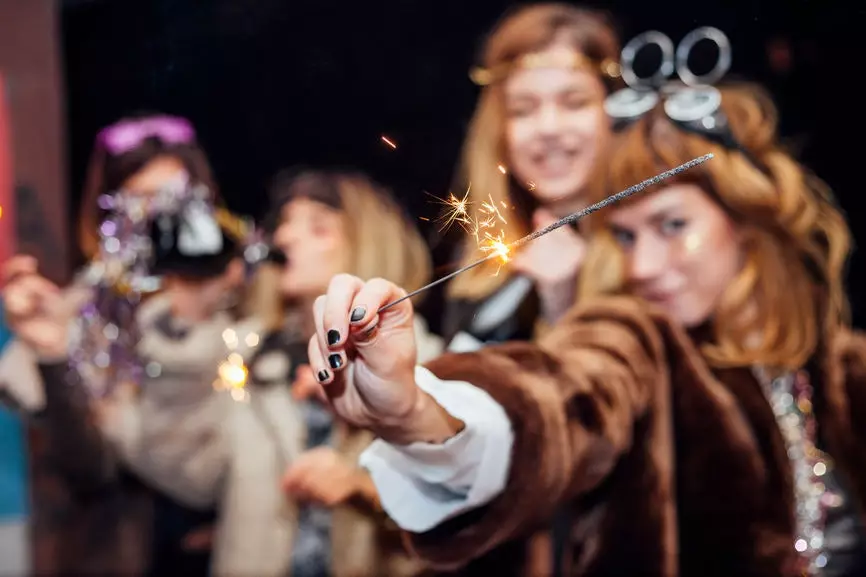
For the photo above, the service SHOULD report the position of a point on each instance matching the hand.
(554, 258)
(323, 477)
(34, 308)
(366, 362)
(305, 385)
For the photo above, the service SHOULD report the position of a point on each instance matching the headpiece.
(692, 103)
(121, 137)
(566, 58)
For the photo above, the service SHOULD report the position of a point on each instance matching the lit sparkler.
(502, 250)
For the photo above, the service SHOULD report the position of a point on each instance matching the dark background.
(276, 83)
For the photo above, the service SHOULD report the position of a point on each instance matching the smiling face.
(682, 251)
(555, 126)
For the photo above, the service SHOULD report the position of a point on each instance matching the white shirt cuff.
(423, 484)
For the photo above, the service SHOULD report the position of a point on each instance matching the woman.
(325, 223)
(108, 527)
(708, 421)
(201, 448)
(546, 69)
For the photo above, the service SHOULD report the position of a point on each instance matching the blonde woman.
(326, 223)
(536, 135)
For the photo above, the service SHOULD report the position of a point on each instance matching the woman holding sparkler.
(141, 156)
(708, 420)
(534, 139)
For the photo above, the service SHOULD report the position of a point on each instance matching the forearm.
(570, 403)
(429, 423)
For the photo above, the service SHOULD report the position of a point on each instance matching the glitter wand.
(570, 219)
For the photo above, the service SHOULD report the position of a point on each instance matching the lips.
(658, 296)
(556, 163)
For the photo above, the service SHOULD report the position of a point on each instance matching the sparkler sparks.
(570, 219)
(482, 225)
(389, 142)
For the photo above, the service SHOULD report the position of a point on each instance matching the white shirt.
(422, 484)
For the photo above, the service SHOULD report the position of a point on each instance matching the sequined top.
(830, 537)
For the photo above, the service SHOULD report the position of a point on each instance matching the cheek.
(592, 127)
(711, 260)
(518, 135)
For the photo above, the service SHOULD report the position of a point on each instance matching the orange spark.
(389, 142)
(501, 168)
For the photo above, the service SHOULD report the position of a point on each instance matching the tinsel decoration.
(105, 335)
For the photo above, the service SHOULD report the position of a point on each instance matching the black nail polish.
(358, 314)
(336, 361)
(322, 376)
(333, 337)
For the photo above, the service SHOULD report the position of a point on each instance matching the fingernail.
(333, 337)
(358, 313)
(322, 375)
(335, 360)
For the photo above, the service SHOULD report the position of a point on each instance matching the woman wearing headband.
(545, 71)
(705, 420)
(140, 156)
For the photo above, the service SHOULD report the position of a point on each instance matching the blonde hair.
(790, 291)
(382, 241)
(524, 31)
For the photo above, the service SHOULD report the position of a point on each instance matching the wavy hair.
(789, 296)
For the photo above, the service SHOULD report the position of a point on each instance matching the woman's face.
(682, 251)
(555, 127)
(313, 237)
(156, 175)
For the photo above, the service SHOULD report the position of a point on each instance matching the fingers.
(335, 358)
(375, 294)
(19, 265)
(331, 381)
(306, 386)
(25, 295)
(337, 312)
(542, 217)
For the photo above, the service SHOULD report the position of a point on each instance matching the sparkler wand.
(570, 219)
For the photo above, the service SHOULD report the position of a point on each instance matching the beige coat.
(205, 449)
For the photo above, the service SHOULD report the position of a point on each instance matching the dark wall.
(274, 83)
(30, 63)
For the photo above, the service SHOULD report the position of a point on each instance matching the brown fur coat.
(671, 468)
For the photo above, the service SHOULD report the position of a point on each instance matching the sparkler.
(497, 248)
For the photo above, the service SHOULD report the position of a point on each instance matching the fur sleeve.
(572, 400)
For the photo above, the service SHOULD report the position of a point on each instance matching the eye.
(624, 238)
(520, 107)
(672, 226)
(576, 100)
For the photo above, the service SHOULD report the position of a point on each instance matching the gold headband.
(559, 59)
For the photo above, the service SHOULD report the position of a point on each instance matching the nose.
(549, 119)
(648, 260)
(284, 235)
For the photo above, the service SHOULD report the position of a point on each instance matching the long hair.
(107, 173)
(382, 240)
(790, 292)
(524, 31)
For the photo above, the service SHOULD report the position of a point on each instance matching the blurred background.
(271, 84)
(381, 86)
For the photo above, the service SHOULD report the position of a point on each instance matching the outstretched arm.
(543, 424)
